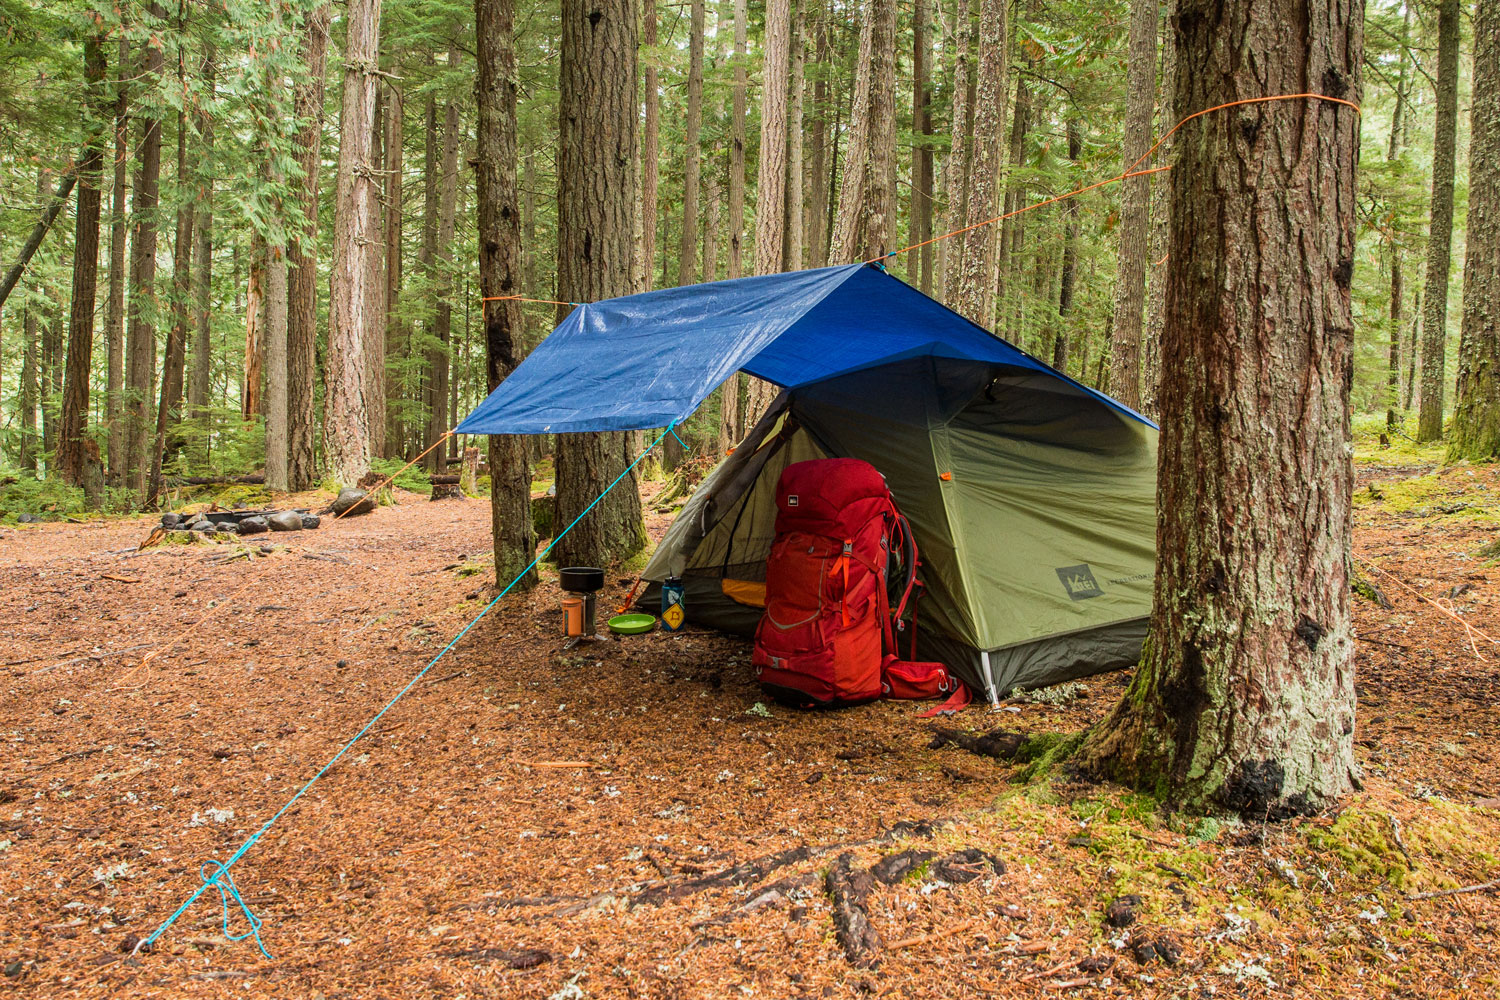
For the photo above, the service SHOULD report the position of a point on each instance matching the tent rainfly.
(1031, 496)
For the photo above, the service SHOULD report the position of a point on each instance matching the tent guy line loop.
(221, 873)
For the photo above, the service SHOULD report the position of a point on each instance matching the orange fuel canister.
(573, 614)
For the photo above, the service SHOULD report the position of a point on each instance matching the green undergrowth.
(416, 479)
(1042, 753)
(190, 499)
(1449, 494)
(1401, 444)
(52, 500)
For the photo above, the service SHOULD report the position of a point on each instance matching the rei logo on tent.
(1079, 581)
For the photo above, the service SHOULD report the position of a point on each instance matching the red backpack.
(827, 635)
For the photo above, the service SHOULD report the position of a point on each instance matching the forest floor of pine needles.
(450, 855)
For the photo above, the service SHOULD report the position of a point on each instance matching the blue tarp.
(648, 360)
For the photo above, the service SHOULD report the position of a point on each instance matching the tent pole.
(989, 678)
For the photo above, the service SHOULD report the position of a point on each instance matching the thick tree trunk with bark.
(140, 366)
(442, 326)
(201, 376)
(650, 154)
(792, 239)
(114, 322)
(687, 255)
(921, 160)
(854, 195)
(71, 453)
(737, 147)
(377, 330)
(251, 402)
(974, 282)
(302, 272)
(174, 359)
(276, 369)
(396, 335)
(1135, 210)
(30, 446)
(1440, 228)
(1475, 433)
(956, 164)
(348, 411)
(1010, 228)
(500, 274)
(816, 227)
(1244, 698)
(1398, 277)
(595, 204)
(1069, 256)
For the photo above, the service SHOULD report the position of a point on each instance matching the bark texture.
(200, 379)
(443, 315)
(1440, 228)
(691, 162)
(770, 193)
(302, 272)
(1161, 226)
(975, 280)
(1244, 698)
(921, 125)
(1135, 210)
(500, 274)
(114, 322)
(737, 146)
(71, 453)
(596, 200)
(1475, 433)
(140, 367)
(650, 153)
(347, 420)
(956, 164)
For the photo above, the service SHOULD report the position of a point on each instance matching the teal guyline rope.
(220, 878)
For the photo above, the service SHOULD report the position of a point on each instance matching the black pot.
(581, 579)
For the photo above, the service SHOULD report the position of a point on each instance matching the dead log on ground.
(850, 889)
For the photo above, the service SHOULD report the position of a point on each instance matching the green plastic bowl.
(632, 624)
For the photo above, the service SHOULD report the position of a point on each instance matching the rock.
(310, 521)
(171, 520)
(285, 520)
(229, 527)
(967, 865)
(1095, 964)
(201, 525)
(27, 519)
(1121, 912)
(351, 501)
(254, 526)
(1143, 950)
(895, 867)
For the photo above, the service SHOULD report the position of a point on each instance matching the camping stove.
(580, 586)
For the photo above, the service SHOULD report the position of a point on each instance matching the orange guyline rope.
(1130, 171)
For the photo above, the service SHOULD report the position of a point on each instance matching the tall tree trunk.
(500, 274)
(377, 330)
(115, 309)
(443, 323)
(1244, 698)
(1440, 228)
(854, 201)
(302, 258)
(595, 204)
(140, 371)
(348, 411)
(251, 402)
(770, 190)
(711, 227)
(75, 401)
(816, 227)
(650, 154)
(1161, 227)
(396, 334)
(1413, 350)
(1069, 255)
(201, 378)
(792, 239)
(974, 294)
(1135, 210)
(277, 394)
(688, 249)
(1475, 433)
(737, 151)
(1398, 278)
(921, 157)
(1010, 228)
(28, 396)
(174, 360)
(956, 165)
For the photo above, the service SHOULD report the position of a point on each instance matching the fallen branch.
(119, 579)
(998, 743)
(912, 942)
(553, 763)
(1481, 887)
(92, 656)
(1395, 825)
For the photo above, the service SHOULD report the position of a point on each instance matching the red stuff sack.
(820, 641)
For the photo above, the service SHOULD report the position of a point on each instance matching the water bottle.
(673, 607)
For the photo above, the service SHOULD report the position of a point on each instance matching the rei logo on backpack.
(827, 635)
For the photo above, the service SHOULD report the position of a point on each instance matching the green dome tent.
(1031, 496)
(1032, 503)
